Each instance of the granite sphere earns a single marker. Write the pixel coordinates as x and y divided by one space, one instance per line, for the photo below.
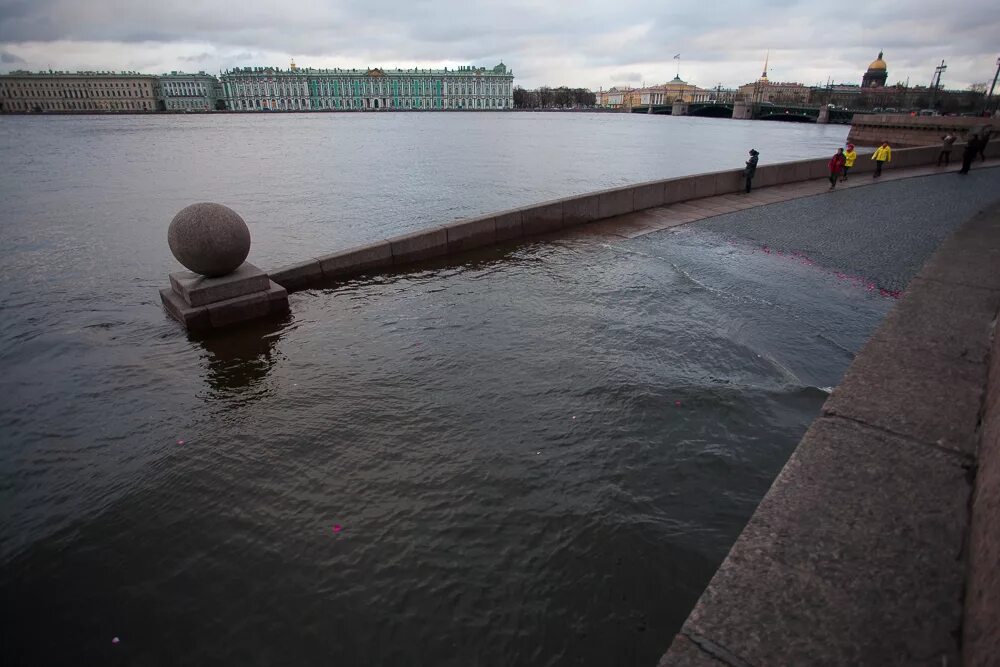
210 239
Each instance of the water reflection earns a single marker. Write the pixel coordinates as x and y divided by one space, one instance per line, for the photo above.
239 358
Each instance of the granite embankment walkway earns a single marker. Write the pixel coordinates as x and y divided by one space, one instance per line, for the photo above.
879 542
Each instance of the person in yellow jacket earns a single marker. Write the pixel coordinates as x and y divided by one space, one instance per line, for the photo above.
849 157
881 155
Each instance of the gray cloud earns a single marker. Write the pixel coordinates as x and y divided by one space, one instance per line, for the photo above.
627 77
10 58
574 42
199 58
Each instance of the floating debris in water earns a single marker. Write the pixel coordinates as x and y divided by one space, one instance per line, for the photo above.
677 403
337 528
115 640
180 442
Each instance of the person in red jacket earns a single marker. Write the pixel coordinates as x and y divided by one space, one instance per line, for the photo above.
836 167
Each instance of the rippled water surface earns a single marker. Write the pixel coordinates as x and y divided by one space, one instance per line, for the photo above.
536 455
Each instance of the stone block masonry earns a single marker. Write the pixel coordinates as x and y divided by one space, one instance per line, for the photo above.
981 630
419 245
612 203
471 234
578 210
299 276
201 303
905 130
197 290
356 260
543 218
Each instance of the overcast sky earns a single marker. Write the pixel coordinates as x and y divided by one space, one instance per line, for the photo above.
546 42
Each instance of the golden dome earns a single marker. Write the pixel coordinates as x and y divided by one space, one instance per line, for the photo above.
878 63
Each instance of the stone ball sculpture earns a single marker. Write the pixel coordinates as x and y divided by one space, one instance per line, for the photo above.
210 239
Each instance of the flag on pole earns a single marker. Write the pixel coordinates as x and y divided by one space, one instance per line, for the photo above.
677 57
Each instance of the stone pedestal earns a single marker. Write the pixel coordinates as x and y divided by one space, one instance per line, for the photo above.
201 303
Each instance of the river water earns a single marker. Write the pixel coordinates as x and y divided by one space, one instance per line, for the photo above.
533 455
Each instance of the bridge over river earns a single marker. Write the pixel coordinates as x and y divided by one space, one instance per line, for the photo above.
741 110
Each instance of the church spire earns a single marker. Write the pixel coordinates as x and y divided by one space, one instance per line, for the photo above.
766 58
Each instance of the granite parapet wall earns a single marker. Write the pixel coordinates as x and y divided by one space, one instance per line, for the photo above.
905 130
981 629
549 217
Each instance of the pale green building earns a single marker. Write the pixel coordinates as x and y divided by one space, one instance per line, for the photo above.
180 91
307 89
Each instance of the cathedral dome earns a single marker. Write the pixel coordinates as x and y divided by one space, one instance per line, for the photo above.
877 64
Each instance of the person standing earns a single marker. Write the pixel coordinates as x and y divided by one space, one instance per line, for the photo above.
969 153
751 167
881 155
945 154
849 157
984 138
836 167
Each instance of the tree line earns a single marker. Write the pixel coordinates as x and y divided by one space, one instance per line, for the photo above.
553 98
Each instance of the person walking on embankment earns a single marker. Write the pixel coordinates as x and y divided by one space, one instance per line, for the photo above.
969 153
836 167
946 144
881 155
751 167
849 157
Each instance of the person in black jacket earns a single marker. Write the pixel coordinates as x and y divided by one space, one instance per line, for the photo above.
751 167
969 153
984 138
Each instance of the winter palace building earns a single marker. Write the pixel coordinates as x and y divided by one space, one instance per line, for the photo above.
300 89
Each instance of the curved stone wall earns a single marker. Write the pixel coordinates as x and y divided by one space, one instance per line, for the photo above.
906 130
546 217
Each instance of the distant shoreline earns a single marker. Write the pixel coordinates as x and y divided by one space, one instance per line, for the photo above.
296 111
